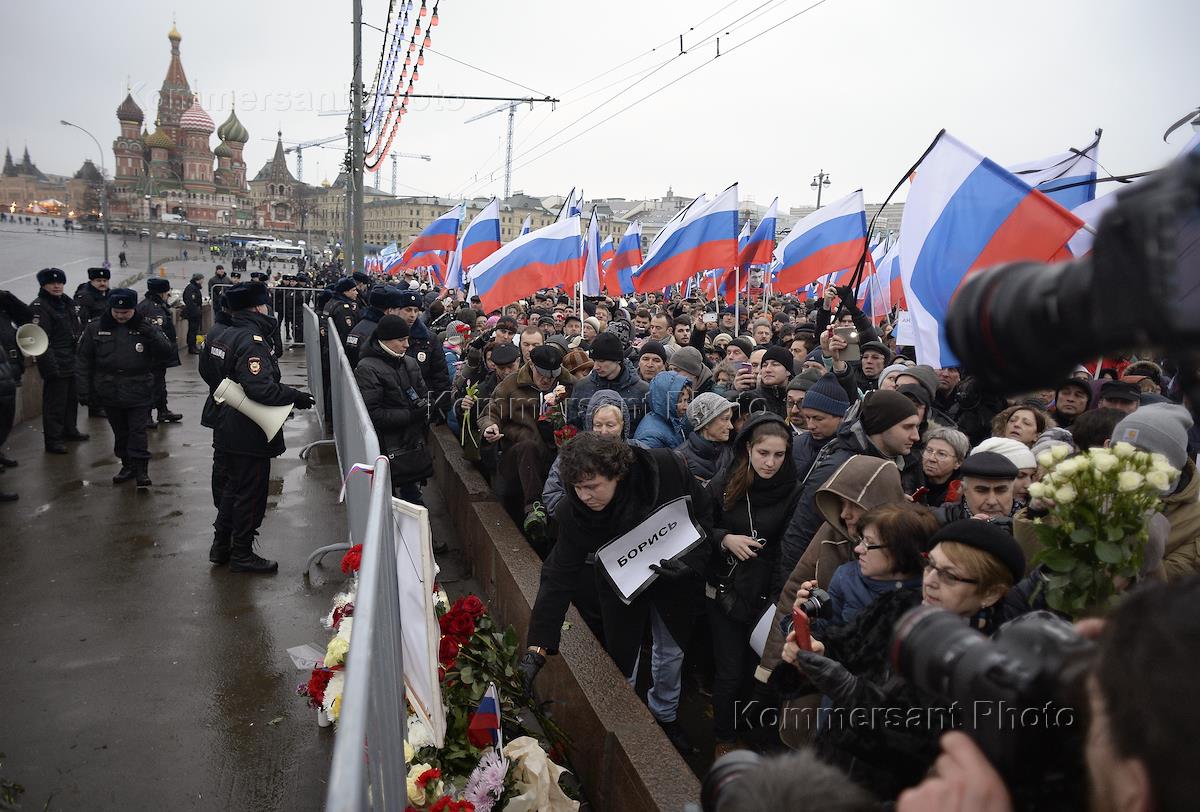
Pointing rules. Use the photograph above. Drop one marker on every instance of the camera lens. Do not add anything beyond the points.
(928, 647)
(818, 604)
(725, 771)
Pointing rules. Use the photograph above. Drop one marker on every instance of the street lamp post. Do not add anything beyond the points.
(819, 181)
(103, 185)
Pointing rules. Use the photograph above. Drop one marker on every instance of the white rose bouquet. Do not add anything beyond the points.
(1098, 523)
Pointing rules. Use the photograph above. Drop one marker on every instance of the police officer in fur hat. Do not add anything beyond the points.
(55, 313)
(90, 295)
(429, 357)
(155, 310)
(115, 363)
(247, 358)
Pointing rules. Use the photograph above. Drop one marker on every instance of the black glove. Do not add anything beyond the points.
(303, 401)
(832, 679)
(673, 569)
(529, 665)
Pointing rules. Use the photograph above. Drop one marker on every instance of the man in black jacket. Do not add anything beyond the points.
(210, 366)
(90, 295)
(55, 313)
(384, 301)
(342, 307)
(114, 369)
(13, 312)
(247, 359)
(155, 311)
(193, 309)
(429, 356)
(218, 278)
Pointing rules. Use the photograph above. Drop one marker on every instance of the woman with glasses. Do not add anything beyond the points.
(970, 571)
(944, 451)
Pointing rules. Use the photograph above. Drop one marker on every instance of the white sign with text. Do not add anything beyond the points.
(668, 532)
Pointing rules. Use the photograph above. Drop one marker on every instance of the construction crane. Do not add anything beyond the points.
(511, 107)
(298, 147)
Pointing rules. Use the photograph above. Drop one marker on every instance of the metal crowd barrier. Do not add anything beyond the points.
(356, 442)
(368, 769)
(314, 361)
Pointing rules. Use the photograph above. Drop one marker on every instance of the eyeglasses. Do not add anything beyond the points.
(869, 547)
(950, 577)
(938, 454)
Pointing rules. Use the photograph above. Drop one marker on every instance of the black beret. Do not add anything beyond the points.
(879, 347)
(411, 298)
(505, 353)
(48, 276)
(988, 465)
(988, 538)
(245, 295)
(156, 284)
(391, 327)
(546, 359)
(359, 276)
(99, 273)
(344, 284)
(385, 297)
(122, 299)
(1120, 390)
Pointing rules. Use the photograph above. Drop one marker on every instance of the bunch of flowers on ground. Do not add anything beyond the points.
(1095, 536)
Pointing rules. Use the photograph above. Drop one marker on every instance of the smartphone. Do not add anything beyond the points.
(710, 318)
(801, 628)
(744, 366)
(850, 336)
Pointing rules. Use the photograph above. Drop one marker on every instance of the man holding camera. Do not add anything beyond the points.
(988, 491)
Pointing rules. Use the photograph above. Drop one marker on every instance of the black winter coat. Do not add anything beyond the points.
(193, 301)
(704, 458)
(432, 361)
(656, 477)
(12, 363)
(344, 314)
(114, 361)
(155, 311)
(395, 396)
(361, 333)
(90, 303)
(211, 365)
(56, 315)
(248, 359)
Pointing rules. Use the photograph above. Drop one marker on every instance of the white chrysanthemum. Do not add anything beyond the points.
(1065, 495)
(419, 734)
(345, 627)
(1123, 450)
(331, 703)
(1060, 451)
(1128, 481)
(1159, 480)
(336, 651)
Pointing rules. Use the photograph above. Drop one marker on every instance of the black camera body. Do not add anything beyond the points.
(1019, 694)
(818, 605)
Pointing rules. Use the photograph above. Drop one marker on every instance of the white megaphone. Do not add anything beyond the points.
(269, 418)
(32, 340)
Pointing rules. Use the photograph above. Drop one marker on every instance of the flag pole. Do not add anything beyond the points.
(737, 287)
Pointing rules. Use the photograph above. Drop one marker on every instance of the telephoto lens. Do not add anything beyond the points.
(725, 771)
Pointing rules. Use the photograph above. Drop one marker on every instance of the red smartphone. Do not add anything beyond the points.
(801, 628)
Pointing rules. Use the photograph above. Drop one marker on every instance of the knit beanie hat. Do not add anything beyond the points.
(390, 327)
(926, 375)
(706, 408)
(883, 409)
(776, 353)
(595, 322)
(1158, 428)
(607, 347)
(654, 348)
(1014, 451)
(827, 395)
(689, 360)
(888, 370)
(742, 344)
(804, 381)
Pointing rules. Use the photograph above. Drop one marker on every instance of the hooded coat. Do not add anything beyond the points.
(628, 384)
(662, 427)
(554, 490)
(867, 482)
(1182, 510)
(655, 478)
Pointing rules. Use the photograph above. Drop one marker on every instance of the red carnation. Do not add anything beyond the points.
(318, 681)
(340, 612)
(432, 774)
(473, 606)
(352, 560)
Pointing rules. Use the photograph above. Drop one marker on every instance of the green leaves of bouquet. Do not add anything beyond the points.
(1100, 505)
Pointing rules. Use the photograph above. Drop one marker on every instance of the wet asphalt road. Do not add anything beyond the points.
(137, 676)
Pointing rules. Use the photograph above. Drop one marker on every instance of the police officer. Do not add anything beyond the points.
(193, 310)
(13, 312)
(210, 365)
(114, 368)
(429, 356)
(55, 313)
(273, 312)
(154, 310)
(245, 351)
(342, 307)
(384, 301)
(90, 295)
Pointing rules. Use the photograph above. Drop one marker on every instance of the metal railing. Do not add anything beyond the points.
(314, 361)
(368, 769)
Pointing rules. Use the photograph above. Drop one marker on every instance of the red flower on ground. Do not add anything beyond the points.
(473, 606)
(432, 774)
(352, 560)
(318, 681)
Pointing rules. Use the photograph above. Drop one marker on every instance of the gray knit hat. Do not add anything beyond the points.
(706, 408)
(1158, 428)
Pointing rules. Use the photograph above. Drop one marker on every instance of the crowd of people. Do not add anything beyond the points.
(815, 464)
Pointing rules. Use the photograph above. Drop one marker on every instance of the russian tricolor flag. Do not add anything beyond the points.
(485, 721)
(759, 249)
(830, 239)
(545, 258)
(482, 237)
(441, 235)
(704, 238)
(608, 282)
(964, 213)
(1069, 178)
(627, 258)
(591, 258)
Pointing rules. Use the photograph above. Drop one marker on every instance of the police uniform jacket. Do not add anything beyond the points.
(344, 314)
(56, 315)
(90, 303)
(395, 396)
(210, 367)
(155, 311)
(432, 362)
(247, 359)
(193, 301)
(12, 363)
(361, 333)
(114, 361)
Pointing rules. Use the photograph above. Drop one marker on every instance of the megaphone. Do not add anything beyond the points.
(269, 418)
(32, 340)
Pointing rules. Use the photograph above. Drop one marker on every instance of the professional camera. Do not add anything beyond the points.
(818, 605)
(1025, 325)
(1019, 694)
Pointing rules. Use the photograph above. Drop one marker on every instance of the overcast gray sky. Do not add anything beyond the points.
(855, 87)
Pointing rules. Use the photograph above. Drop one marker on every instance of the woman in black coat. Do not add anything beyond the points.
(753, 501)
(398, 404)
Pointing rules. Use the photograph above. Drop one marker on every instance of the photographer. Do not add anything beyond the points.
(1139, 750)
